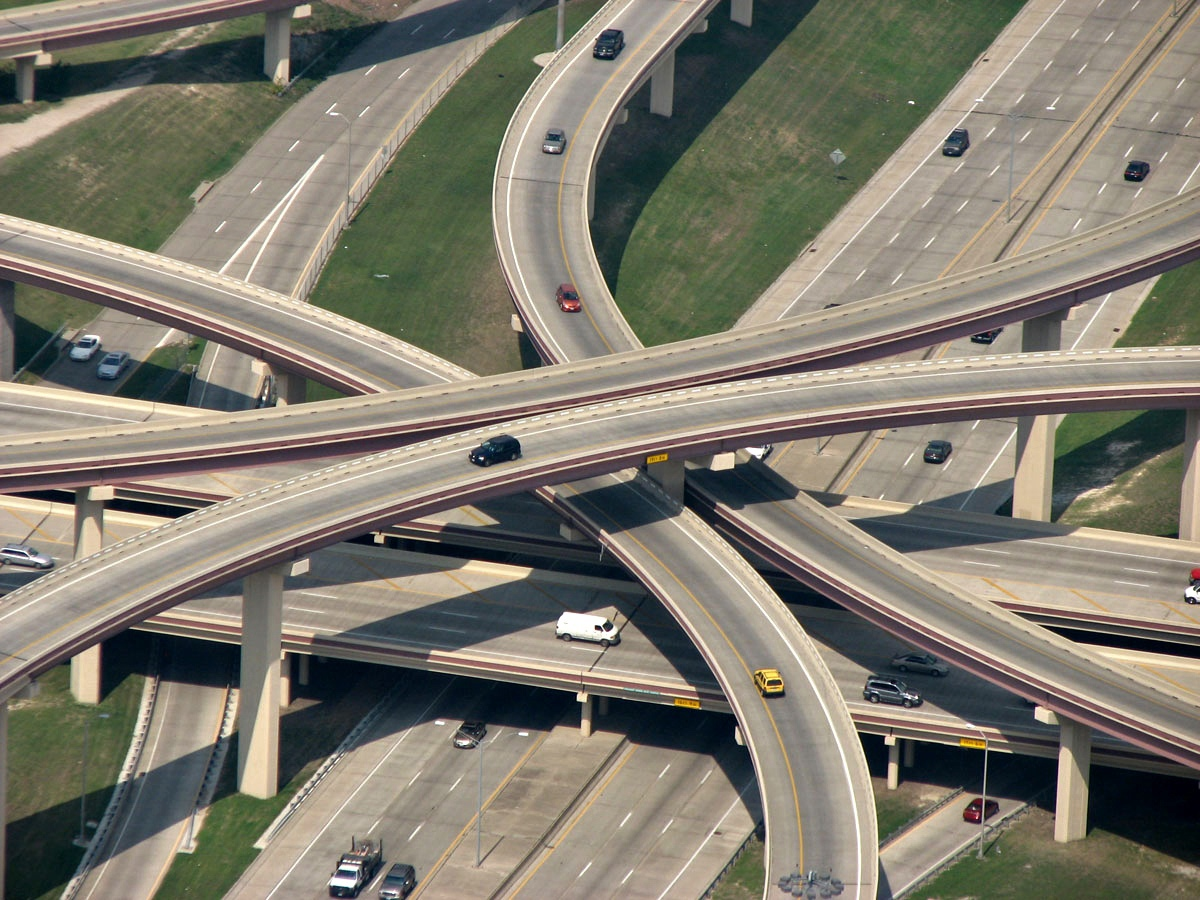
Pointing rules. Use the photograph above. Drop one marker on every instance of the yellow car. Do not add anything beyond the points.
(769, 682)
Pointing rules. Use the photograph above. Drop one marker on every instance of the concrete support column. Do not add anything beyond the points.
(302, 664)
(669, 475)
(741, 12)
(585, 713)
(1189, 499)
(3, 789)
(893, 764)
(258, 709)
(277, 50)
(285, 680)
(1034, 479)
(87, 671)
(26, 65)
(662, 86)
(1074, 772)
(569, 532)
(910, 753)
(290, 388)
(8, 329)
(602, 710)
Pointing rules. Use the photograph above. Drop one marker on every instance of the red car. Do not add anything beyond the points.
(568, 298)
(971, 813)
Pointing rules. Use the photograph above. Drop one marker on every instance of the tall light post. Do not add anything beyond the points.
(970, 742)
(479, 808)
(349, 148)
(82, 840)
(560, 28)
(1012, 152)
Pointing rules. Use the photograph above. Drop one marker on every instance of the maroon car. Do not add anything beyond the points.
(971, 813)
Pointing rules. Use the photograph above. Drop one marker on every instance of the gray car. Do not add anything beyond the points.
(25, 555)
(555, 141)
(112, 365)
(916, 661)
(887, 689)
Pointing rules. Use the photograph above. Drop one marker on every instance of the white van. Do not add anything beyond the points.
(586, 627)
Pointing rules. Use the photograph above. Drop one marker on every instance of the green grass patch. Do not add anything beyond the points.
(419, 261)
(45, 762)
(696, 215)
(746, 878)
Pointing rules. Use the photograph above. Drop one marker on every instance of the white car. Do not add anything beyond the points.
(1191, 594)
(85, 348)
(112, 365)
(762, 451)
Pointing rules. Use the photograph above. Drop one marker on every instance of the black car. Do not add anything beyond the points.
(609, 44)
(986, 337)
(938, 451)
(500, 448)
(469, 735)
(957, 143)
(398, 883)
(1137, 170)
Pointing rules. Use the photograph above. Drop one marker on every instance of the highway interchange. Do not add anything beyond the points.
(775, 427)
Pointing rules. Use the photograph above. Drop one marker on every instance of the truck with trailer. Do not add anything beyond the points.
(356, 868)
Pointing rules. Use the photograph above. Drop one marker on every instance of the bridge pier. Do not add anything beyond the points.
(87, 673)
(741, 12)
(258, 712)
(26, 79)
(668, 474)
(662, 86)
(893, 762)
(1189, 502)
(585, 713)
(277, 58)
(1033, 482)
(1074, 772)
(8, 329)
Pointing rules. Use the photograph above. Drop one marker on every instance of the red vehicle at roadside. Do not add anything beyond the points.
(568, 298)
(971, 813)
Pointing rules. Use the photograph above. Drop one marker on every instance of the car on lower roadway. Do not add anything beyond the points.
(469, 735)
(609, 44)
(500, 448)
(887, 689)
(85, 348)
(916, 661)
(769, 682)
(25, 555)
(971, 813)
(938, 451)
(1137, 170)
(112, 365)
(398, 883)
(555, 141)
(956, 142)
(986, 337)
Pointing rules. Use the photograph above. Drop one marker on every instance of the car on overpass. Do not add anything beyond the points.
(609, 44)
(917, 661)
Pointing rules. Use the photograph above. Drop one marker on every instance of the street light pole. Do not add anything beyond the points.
(349, 148)
(479, 809)
(983, 798)
(82, 840)
(560, 29)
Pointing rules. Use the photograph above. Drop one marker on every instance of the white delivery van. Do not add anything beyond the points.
(586, 627)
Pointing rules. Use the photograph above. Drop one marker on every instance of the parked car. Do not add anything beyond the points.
(972, 810)
(938, 451)
(760, 451)
(568, 298)
(1137, 170)
(769, 682)
(886, 689)
(555, 141)
(496, 449)
(112, 365)
(469, 735)
(916, 661)
(85, 348)
(986, 337)
(25, 555)
(1191, 594)
(610, 43)
(398, 883)
(956, 142)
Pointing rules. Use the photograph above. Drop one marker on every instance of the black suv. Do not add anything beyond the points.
(886, 689)
(609, 44)
(957, 143)
(496, 449)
